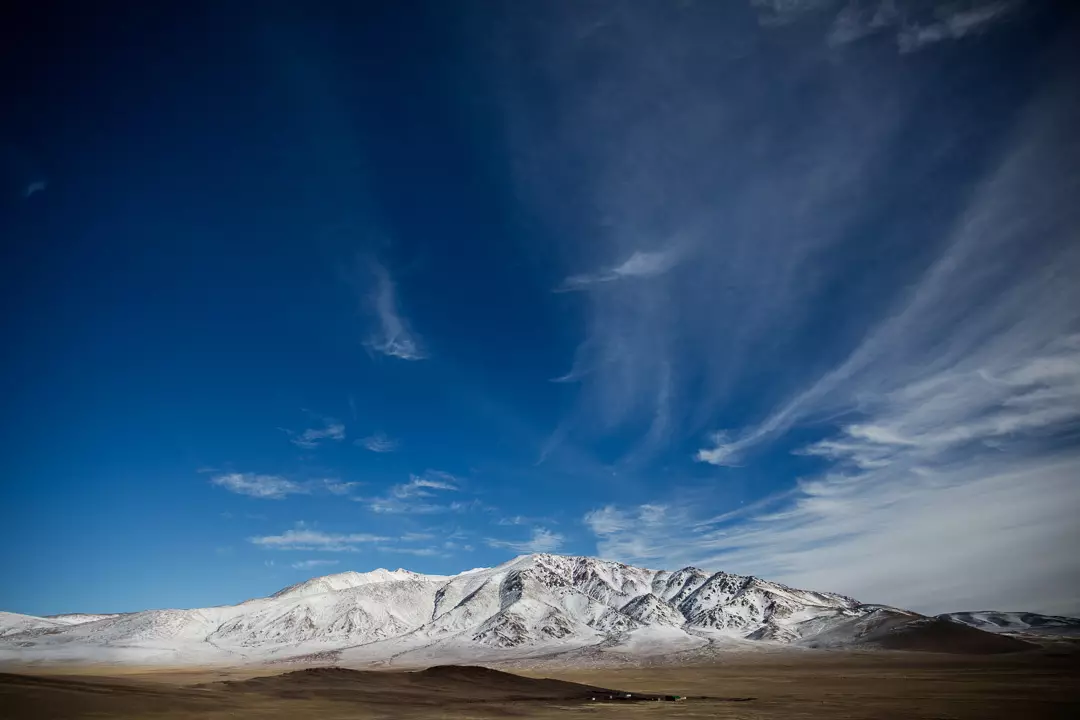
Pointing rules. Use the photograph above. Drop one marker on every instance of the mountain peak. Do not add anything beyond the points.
(350, 579)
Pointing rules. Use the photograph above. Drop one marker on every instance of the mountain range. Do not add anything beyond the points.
(579, 609)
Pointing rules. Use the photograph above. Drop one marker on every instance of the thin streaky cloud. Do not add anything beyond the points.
(954, 466)
(335, 486)
(392, 337)
(638, 265)
(398, 506)
(541, 541)
(956, 25)
(421, 487)
(308, 564)
(909, 21)
(513, 520)
(970, 317)
(885, 534)
(418, 496)
(694, 285)
(34, 187)
(311, 438)
(302, 538)
(419, 552)
(276, 487)
(272, 487)
(379, 443)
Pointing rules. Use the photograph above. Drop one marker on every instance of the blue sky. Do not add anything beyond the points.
(779, 288)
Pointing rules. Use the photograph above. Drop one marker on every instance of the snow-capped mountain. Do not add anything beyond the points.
(1017, 622)
(533, 606)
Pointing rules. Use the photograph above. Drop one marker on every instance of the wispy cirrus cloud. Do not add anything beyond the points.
(701, 261)
(948, 433)
(379, 443)
(423, 486)
(988, 534)
(419, 552)
(392, 336)
(335, 486)
(639, 265)
(309, 564)
(272, 487)
(512, 520)
(912, 24)
(304, 538)
(330, 429)
(953, 23)
(277, 487)
(418, 495)
(541, 541)
(985, 343)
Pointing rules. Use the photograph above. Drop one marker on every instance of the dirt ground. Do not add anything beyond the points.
(790, 686)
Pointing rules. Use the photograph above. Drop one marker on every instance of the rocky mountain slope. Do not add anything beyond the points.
(533, 606)
(1017, 623)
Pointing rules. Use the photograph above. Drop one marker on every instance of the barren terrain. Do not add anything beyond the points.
(807, 684)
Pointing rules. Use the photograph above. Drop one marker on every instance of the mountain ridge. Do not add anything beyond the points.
(533, 605)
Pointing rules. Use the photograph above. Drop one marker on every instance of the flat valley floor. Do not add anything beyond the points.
(788, 685)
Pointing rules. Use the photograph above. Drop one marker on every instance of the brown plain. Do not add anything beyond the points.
(807, 684)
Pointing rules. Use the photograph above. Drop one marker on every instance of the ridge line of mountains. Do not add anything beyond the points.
(579, 609)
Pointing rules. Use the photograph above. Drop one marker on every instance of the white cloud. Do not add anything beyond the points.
(988, 535)
(393, 336)
(417, 536)
(785, 11)
(913, 316)
(335, 486)
(524, 519)
(421, 487)
(35, 187)
(416, 495)
(914, 23)
(302, 538)
(608, 521)
(394, 506)
(308, 564)
(990, 327)
(951, 480)
(638, 265)
(419, 552)
(330, 429)
(957, 24)
(272, 487)
(378, 443)
(702, 260)
(542, 540)
(276, 487)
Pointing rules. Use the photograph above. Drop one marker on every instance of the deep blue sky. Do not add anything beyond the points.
(776, 288)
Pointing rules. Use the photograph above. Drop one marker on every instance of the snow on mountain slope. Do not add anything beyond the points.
(350, 579)
(80, 618)
(14, 623)
(373, 610)
(677, 586)
(1017, 622)
(650, 610)
(533, 606)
